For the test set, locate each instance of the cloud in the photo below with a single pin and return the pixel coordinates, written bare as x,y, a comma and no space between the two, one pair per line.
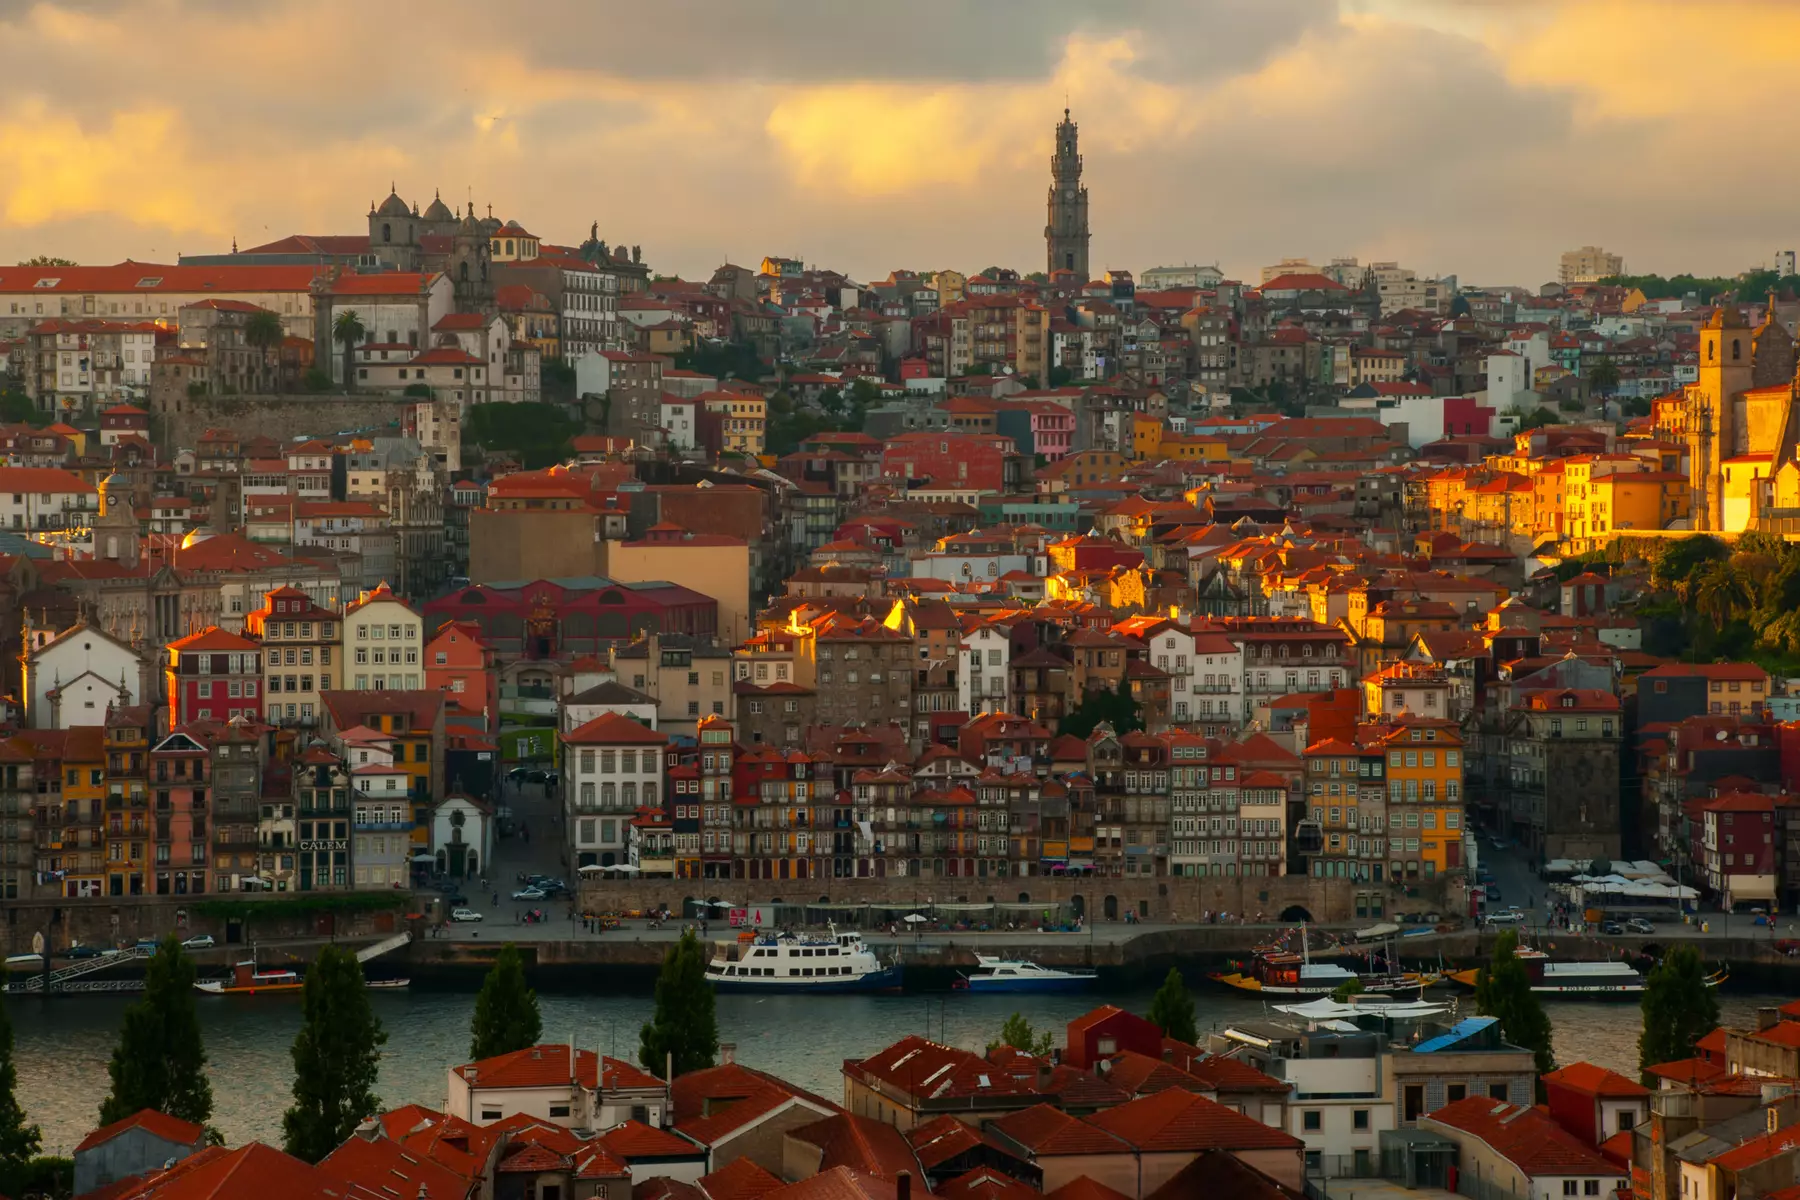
1467,136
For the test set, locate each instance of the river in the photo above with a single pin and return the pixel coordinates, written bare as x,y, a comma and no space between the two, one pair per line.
63,1046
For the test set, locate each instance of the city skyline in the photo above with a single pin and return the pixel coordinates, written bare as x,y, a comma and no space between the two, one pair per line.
1479,140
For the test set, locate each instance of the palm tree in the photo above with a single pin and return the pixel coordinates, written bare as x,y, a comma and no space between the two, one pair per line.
348,331
263,330
1720,594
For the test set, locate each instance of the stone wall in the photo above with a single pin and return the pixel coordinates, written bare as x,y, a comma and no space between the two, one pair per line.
179,421
1172,899
103,923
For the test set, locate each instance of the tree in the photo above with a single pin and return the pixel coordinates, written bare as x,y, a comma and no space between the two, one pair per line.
1503,990
1720,593
1018,1033
506,1012
16,408
1352,986
160,1061
1115,707
1603,377
539,434
1172,1009
45,260
1679,1009
348,332
19,1142
337,1056
684,1026
263,330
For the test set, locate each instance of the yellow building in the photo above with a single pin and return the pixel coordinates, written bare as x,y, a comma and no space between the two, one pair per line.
1424,810
83,794
1627,501
1146,436
714,565
742,420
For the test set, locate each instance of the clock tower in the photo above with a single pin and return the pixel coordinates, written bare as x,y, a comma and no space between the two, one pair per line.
1066,236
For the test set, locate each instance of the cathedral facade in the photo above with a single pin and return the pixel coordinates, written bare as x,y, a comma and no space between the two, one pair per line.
1742,418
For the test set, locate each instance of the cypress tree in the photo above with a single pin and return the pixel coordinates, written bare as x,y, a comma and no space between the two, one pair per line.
685,1024
1679,1009
337,1056
1503,990
19,1142
1172,1009
1018,1033
506,1012
160,1062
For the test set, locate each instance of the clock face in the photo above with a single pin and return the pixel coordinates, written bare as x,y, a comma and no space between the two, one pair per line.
1068,195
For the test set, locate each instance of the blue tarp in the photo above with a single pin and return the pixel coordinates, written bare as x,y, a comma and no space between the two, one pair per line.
1460,1032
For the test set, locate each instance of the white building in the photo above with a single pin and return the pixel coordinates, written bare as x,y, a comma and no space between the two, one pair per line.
397,311
589,1091
984,675
612,765
1508,377
462,836
43,499
71,679
678,418
382,641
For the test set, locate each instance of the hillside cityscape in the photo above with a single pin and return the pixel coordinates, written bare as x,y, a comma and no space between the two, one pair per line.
1381,666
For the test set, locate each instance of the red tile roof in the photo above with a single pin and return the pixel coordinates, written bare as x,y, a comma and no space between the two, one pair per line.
1042,1129
1595,1081
634,1139
1180,1120
1525,1137
614,729
161,1125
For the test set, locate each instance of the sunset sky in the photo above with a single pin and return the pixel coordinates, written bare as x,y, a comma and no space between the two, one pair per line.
1480,137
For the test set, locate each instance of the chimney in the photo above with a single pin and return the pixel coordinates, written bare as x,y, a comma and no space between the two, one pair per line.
727,1053
903,1186
1767,1018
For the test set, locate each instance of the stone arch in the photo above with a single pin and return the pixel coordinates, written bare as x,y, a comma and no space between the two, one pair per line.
1024,897
1109,908
1078,904
1296,912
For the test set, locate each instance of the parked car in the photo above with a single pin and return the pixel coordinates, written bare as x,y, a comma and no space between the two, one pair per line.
534,777
1493,891
1508,917
516,774
1611,928
464,914
80,951
551,778
200,941
531,893
456,900
1640,925
147,944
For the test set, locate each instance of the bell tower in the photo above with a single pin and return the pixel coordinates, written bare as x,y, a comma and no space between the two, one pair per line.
1715,428
471,266
1066,236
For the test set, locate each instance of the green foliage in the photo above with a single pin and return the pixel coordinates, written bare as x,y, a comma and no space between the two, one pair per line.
556,380
337,1056
1061,377
506,1011
19,1140
1569,404
1534,419
1637,406
1115,707
42,1175
725,360
1172,1009
160,1062
348,332
684,1024
45,260
316,379
537,434
1352,986
16,408
1674,287
1679,1009
1603,377
278,908
1503,990
1018,1033
1755,285
420,390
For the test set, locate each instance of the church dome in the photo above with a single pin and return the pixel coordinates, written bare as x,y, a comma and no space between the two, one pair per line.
439,211
393,206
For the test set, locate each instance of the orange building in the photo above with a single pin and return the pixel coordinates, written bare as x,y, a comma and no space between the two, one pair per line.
460,663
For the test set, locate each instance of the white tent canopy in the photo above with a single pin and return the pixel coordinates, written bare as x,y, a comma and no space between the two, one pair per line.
1328,1009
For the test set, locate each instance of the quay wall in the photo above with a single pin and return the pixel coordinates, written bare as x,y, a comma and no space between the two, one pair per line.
106,923
181,420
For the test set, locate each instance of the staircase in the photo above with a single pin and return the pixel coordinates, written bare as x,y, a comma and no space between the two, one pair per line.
382,947
86,966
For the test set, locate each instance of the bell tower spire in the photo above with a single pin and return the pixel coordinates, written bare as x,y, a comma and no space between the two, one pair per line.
1066,234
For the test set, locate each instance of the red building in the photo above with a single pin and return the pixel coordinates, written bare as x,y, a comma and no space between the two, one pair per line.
213,676
1098,1035
550,620
977,461
1594,1103
1742,835
459,662
180,767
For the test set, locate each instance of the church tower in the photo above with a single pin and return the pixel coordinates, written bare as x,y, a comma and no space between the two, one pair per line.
470,266
1066,236
1715,428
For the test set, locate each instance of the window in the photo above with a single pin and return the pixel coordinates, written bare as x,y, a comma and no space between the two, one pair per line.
1359,1119
1571,1187
1455,1092
1412,1102
1497,1091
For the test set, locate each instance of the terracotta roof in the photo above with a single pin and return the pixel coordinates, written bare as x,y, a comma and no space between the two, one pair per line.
636,1140
1525,1137
1044,1130
739,1179
1596,1081
614,729
161,1125
1180,1120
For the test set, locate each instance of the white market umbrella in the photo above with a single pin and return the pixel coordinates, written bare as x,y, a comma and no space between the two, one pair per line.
913,919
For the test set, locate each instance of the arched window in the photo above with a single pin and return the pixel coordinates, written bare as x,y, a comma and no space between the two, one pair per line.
464,272
1737,350
387,232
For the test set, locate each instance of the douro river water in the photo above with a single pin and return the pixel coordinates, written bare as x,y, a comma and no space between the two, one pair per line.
63,1045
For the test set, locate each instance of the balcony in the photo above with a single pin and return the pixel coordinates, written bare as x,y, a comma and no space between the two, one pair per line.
382,826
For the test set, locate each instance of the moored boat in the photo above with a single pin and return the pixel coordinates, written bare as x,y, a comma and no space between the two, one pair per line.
1022,975
247,980
1277,972
1598,979
798,962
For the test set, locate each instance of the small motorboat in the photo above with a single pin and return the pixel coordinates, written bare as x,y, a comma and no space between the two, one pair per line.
387,985
1022,975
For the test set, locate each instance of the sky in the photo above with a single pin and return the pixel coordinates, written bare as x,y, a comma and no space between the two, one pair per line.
1471,137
